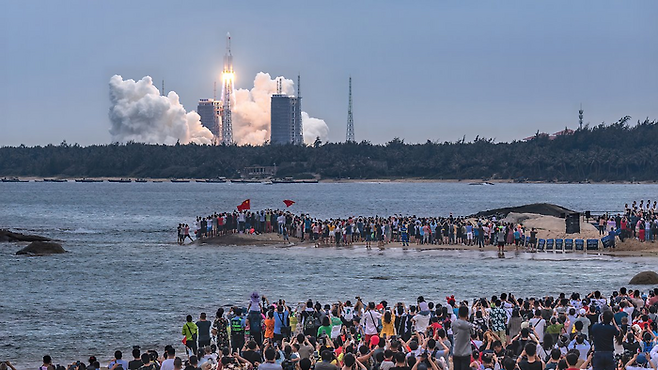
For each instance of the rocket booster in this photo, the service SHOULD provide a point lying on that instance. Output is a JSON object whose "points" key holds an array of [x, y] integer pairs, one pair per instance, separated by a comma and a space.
{"points": [[228, 58]]}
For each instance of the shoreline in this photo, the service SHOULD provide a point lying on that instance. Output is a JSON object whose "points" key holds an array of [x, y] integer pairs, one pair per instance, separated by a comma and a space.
{"points": [[409, 180], [627, 249]]}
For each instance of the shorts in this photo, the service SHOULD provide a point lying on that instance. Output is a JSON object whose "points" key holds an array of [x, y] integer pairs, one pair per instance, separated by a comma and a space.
{"points": [[501, 334], [469, 236]]}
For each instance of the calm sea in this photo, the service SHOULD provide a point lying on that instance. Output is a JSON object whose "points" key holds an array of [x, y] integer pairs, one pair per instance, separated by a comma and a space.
{"points": [[126, 282]]}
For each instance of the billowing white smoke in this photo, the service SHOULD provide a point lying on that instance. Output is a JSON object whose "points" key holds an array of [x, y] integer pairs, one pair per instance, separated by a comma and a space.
{"points": [[138, 113], [251, 113]]}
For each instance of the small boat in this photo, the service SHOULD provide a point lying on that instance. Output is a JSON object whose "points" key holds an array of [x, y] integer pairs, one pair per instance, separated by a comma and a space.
{"points": [[55, 180], [13, 179], [84, 179], [140, 180], [156, 181], [309, 181], [267, 183], [179, 180], [215, 180], [246, 181], [120, 180]]}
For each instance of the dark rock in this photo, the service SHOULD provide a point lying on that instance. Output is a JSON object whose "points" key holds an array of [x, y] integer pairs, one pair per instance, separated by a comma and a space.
{"points": [[645, 278], [8, 236], [40, 248], [545, 209]]}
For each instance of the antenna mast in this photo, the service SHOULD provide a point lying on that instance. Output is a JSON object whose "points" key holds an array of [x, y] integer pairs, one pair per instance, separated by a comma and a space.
{"points": [[350, 119], [162, 92], [580, 116]]}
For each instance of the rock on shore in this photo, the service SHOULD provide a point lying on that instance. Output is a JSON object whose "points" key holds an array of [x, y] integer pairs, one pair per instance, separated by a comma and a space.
{"points": [[545, 209], [41, 248], [8, 236], [645, 278]]}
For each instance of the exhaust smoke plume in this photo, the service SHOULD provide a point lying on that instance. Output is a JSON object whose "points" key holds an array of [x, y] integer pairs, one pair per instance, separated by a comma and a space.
{"points": [[138, 113], [251, 113]]}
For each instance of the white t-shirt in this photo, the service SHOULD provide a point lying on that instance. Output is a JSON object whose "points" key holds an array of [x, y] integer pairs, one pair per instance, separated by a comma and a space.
{"points": [[421, 322], [369, 322], [539, 324], [348, 313]]}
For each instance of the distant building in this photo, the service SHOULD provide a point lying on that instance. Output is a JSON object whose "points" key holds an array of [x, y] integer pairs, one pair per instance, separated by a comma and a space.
{"points": [[209, 110], [286, 120], [258, 172]]}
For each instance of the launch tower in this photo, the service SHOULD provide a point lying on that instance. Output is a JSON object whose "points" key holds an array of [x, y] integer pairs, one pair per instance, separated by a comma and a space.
{"points": [[350, 119], [227, 94]]}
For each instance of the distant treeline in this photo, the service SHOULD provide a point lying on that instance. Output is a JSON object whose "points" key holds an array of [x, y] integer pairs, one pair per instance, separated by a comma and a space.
{"points": [[615, 152]]}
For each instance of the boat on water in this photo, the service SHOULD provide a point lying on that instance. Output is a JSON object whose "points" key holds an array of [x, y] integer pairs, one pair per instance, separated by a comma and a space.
{"points": [[140, 180], [179, 180], [120, 180], [309, 181], [156, 181], [267, 182], [55, 180], [246, 181], [215, 180], [84, 179], [13, 179]]}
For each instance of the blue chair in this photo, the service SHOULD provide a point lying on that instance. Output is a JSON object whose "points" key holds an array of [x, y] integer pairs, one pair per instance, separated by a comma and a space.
{"points": [[568, 244], [592, 244], [558, 244], [580, 244], [549, 244], [541, 244]]}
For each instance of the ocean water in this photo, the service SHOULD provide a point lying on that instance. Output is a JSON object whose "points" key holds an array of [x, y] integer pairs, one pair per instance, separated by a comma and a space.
{"points": [[126, 282]]}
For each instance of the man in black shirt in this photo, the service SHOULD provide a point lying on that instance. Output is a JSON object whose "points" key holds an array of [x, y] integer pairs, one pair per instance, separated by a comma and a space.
{"points": [[251, 354], [137, 362], [602, 335], [400, 362]]}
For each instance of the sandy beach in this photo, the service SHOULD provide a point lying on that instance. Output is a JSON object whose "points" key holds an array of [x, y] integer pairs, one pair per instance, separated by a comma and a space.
{"points": [[630, 248]]}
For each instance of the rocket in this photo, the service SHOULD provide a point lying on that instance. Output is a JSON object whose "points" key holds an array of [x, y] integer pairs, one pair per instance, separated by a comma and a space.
{"points": [[228, 58]]}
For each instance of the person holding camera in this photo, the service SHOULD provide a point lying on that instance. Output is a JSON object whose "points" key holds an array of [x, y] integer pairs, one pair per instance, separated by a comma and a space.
{"points": [[462, 330], [640, 362], [370, 321], [4, 365], [190, 331], [603, 335]]}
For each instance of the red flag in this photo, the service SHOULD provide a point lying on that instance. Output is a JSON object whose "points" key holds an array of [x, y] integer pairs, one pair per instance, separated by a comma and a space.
{"points": [[244, 205], [288, 202]]}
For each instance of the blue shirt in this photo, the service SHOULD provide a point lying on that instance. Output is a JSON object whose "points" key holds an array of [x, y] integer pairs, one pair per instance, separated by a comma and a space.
{"points": [[123, 362], [278, 323]]}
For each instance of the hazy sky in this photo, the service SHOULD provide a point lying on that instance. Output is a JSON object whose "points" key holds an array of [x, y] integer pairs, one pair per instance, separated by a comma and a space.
{"points": [[421, 69]]}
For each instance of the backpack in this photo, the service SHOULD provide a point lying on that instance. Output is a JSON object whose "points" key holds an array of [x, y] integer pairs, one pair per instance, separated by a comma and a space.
{"points": [[309, 321]]}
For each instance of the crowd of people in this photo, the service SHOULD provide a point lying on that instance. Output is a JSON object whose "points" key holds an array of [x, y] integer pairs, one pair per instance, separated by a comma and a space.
{"points": [[566, 332], [368, 230], [639, 221]]}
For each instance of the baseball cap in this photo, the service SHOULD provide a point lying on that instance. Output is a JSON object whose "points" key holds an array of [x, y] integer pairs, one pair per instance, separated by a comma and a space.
{"points": [[641, 359], [582, 311]]}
